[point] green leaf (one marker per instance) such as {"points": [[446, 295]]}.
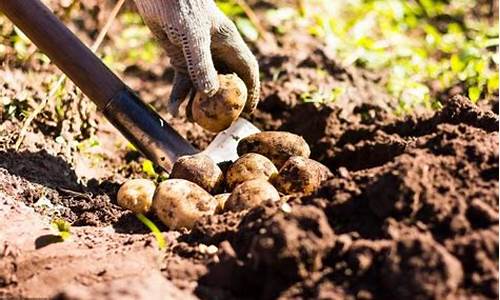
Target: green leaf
{"points": [[479, 66], [247, 29], [337, 92], [21, 35], [63, 228], [130, 18], [280, 15], [65, 235], [148, 168], [162, 177], [131, 147], [230, 8], [154, 229], [87, 144], [474, 93], [493, 83], [456, 63], [454, 28]]}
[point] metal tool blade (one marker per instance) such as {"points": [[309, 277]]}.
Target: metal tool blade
{"points": [[223, 147]]}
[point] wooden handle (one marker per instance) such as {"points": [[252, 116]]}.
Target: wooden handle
{"points": [[75, 59]]}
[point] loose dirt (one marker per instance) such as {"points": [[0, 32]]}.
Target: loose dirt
{"points": [[410, 211]]}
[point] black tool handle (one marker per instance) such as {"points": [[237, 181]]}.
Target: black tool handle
{"points": [[137, 122]]}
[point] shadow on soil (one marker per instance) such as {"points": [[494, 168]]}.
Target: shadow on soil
{"points": [[42, 168], [92, 204], [47, 239]]}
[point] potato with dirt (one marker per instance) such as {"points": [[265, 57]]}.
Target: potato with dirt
{"points": [[247, 167], [251, 193], [218, 112], [180, 203], [300, 175], [136, 195], [278, 146], [199, 169]]}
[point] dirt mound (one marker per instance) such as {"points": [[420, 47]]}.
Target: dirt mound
{"points": [[411, 209], [309, 75], [420, 222], [410, 212], [49, 184], [292, 243]]}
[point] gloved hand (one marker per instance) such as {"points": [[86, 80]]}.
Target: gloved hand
{"points": [[194, 33]]}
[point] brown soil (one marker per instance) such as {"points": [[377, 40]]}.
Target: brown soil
{"points": [[410, 212]]}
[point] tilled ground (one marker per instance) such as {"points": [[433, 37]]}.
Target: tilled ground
{"points": [[410, 212]]}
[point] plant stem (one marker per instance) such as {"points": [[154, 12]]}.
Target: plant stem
{"points": [[254, 19], [154, 229]]}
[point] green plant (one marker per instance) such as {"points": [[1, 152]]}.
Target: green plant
{"points": [[154, 229], [85, 145], [130, 147], [426, 46], [322, 97], [234, 10], [63, 228], [149, 169], [135, 44], [17, 107]]}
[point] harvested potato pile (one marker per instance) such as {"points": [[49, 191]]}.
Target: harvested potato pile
{"points": [[272, 166]]}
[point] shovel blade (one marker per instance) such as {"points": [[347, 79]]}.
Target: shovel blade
{"points": [[224, 147]]}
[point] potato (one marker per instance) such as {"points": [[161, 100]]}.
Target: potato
{"points": [[278, 146], [251, 193], [218, 112], [180, 203], [221, 201], [301, 175], [136, 195], [199, 169], [249, 166]]}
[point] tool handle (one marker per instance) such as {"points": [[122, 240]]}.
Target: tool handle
{"points": [[54, 39], [136, 121]]}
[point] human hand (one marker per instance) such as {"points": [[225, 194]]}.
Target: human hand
{"points": [[194, 33]]}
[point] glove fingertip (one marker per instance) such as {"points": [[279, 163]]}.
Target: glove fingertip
{"points": [[253, 97], [173, 107], [251, 105], [189, 107], [180, 89], [208, 84]]}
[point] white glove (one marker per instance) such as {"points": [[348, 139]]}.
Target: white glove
{"points": [[194, 33]]}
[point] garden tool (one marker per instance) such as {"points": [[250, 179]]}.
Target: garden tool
{"points": [[139, 123]]}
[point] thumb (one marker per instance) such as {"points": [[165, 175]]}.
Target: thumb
{"points": [[180, 89], [196, 48]]}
